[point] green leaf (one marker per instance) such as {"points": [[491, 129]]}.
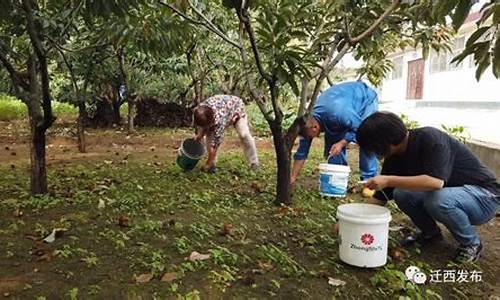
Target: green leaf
{"points": [[443, 7], [487, 11], [461, 13], [293, 85], [475, 36], [481, 50], [425, 49], [483, 65], [460, 57], [496, 57], [496, 14]]}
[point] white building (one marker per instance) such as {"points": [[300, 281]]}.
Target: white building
{"points": [[435, 79]]}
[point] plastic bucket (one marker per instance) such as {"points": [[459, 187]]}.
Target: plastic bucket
{"points": [[333, 180], [190, 152], [363, 234]]}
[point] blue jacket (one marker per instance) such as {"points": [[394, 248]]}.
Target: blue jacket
{"points": [[340, 110]]}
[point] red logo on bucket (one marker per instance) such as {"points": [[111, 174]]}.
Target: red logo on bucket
{"points": [[367, 239]]}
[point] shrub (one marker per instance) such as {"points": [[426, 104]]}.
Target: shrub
{"points": [[13, 109]]}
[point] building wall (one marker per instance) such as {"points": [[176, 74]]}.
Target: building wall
{"points": [[453, 85]]}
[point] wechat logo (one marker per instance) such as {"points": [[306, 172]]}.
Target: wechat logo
{"points": [[413, 274]]}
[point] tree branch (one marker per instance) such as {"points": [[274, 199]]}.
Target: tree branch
{"points": [[14, 75], [325, 63], [61, 47], [330, 82], [373, 27], [303, 97], [253, 90], [71, 73], [327, 70], [251, 36], [207, 23]]}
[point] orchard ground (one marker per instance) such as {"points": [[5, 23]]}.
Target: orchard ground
{"points": [[130, 216]]}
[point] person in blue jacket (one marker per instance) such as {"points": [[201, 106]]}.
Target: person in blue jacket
{"points": [[338, 113]]}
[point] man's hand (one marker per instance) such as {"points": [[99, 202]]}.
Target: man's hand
{"points": [[337, 147], [378, 182]]}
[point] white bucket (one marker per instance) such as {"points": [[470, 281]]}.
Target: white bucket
{"points": [[333, 180], [363, 234]]}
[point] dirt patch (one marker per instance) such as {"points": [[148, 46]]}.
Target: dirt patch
{"points": [[8, 284]]}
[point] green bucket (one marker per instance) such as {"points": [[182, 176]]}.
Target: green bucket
{"points": [[190, 152]]}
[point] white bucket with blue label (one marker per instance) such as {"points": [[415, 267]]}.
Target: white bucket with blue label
{"points": [[333, 180]]}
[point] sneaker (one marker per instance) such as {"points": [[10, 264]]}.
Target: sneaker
{"points": [[470, 253], [421, 239]]}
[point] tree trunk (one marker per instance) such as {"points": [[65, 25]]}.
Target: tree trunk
{"points": [[131, 113], [202, 89], [284, 163], [80, 126], [116, 112], [37, 158], [197, 92]]}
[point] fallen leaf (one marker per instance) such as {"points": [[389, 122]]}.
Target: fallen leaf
{"points": [[256, 187], [335, 282], [124, 221], [18, 213], [248, 280], [101, 204], [282, 212], [39, 252], [397, 253], [265, 266], [168, 277], [396, 228], [324, 274], [31, 237], [143, 278], [195, 256], [226, 229], [45, 257], [56, 233]]}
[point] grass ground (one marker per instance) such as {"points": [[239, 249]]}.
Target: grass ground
{"points": [[131, 216]]}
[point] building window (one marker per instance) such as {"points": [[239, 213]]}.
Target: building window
{"points": [[397, 71], [440, 62]]}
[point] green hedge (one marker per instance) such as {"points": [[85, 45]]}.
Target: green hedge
{"points": [[13, 109]]}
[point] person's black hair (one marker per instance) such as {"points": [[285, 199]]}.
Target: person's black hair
{"points": [[379, 131], [203, 116]]}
